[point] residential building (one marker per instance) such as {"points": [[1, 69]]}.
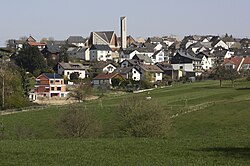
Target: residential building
{"points": [[151, 72], [188, 64], [104, 67], [78, 41], [50, 85], [67, 69], [105, 79], [100, 53]]}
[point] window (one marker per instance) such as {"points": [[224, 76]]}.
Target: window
{"points": [[181, 67], [52, 88], [134, 72], [51, 81], [59, 88], [158, 74], [57, 81], [134, 78]]}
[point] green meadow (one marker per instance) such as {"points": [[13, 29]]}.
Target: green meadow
{"points": [[210, 126]]}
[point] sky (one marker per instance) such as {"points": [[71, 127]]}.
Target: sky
{"points": [[62, 18]]}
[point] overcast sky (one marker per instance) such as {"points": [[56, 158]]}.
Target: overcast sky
{"points": [[62, 18]]}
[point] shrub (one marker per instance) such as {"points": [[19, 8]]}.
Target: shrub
{"points": [[142, 118], [78, 122]]}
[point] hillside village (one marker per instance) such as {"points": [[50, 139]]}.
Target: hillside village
{"points": [[107, 60]]}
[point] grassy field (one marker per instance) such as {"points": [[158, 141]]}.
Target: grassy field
{"points": [[217, 133]]}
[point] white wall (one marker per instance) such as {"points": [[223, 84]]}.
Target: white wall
{"points": [[67, 73], [158, 76], [97, 55], [136, 76], [186, 67], [109, 68]]}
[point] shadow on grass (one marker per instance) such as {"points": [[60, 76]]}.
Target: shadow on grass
{"points": [[239, 152], [246, 88]]}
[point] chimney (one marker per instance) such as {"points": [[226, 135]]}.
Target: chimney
{"points": [[123, 33]]}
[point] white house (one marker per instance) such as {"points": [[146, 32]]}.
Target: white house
{"points": [[104, 67], [128, 54], [68, 68], [130, 73], [158, 56], [78, 41], [100, 53], [220, 43], [205, 61]]}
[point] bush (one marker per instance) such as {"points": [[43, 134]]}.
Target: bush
{"points": [[142, 118], [78, 122]]}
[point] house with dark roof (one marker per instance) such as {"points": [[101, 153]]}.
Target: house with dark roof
{"points": [[143, 59], [82, 53], [186, 64], [167, 69], [128, 54], [66, 69], [130, 73], [129, 63], [104, 67], [158, 56], [51, 50], [78, 41], [100, 53], [105, 79], [50, 85]]}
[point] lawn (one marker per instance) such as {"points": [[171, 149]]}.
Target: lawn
{"points": [[217, 134]]}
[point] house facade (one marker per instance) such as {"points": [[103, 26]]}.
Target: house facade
{"points": [[50, 85], [100, 53], [105, 79], [68, 68], [186, 63]]}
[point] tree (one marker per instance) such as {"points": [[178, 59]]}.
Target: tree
{"points": [[78, 122], [219, 73], [116, 82], [74, 76], [81, 91], [139, 117], [30, 59], [231, 74], [12, 95]]}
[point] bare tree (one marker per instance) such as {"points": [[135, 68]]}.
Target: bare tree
{"points": [[77, 121]]}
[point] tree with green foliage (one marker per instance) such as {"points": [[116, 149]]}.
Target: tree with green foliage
{"points": [[140, 117], [12, 95], [74, 76], [30, 59]]}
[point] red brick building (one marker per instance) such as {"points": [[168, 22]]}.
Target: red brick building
{"points": [[50, 85]]}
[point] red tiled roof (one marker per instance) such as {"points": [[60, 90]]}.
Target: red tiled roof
{"points": [[104, 76], [36, 44], [234, 60], [246, 60]]}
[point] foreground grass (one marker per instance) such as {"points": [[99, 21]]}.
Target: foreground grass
{"points": [[216, 135]]}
